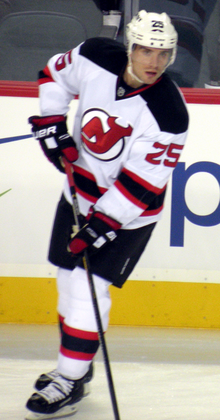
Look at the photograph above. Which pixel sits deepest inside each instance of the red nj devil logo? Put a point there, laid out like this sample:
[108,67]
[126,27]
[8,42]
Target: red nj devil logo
[100,141]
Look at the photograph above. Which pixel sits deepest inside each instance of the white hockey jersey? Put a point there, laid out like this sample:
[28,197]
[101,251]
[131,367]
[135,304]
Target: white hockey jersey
[129,140]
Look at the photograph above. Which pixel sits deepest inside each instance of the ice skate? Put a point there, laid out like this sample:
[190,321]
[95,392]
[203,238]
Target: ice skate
[46,378]
[56,400]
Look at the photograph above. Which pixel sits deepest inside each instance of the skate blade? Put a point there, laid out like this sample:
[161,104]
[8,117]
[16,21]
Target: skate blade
[62,413]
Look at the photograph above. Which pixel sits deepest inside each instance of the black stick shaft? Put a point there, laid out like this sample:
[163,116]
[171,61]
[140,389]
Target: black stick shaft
[86,264]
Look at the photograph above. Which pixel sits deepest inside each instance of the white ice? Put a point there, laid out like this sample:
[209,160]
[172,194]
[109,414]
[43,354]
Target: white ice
[159,374]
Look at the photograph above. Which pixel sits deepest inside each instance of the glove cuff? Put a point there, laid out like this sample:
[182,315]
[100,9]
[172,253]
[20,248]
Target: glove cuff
[49,126]
[48,120]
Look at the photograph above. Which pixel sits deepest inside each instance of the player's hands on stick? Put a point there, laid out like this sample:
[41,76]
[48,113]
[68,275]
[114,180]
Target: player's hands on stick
[54,139]
[97,232]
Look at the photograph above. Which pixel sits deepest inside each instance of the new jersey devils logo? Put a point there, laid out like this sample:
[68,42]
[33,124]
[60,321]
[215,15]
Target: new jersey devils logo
[102,135]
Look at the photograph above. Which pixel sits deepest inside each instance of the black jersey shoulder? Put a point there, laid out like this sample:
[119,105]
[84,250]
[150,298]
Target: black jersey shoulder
[167,106]
[106,53]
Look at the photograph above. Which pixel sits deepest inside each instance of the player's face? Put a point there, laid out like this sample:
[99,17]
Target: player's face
[149,63]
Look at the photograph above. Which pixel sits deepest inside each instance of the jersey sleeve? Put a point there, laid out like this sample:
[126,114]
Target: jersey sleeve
[140,187]
[59,83]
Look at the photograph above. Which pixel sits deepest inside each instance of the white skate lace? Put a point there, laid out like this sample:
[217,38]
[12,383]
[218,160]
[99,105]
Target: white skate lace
[57,389]
[52,374]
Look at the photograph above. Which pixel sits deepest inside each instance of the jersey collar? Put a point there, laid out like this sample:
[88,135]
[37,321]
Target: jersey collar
[124,91]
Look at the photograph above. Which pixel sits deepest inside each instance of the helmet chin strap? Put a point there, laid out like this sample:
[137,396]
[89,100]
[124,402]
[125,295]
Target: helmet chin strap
[130,71]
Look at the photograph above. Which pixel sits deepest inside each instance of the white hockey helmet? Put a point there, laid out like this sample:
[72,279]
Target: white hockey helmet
[152,30]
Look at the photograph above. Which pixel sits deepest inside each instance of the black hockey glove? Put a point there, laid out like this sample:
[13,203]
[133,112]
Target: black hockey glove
[54,139]
[100,230]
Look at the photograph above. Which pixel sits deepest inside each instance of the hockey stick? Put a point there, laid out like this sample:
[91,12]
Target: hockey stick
[86,264]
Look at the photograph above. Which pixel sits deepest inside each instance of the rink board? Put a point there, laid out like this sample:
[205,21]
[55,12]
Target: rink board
[140,303]
[176,282]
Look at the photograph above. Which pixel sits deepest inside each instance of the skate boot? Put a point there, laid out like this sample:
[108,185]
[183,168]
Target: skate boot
[56,400]
[46,378]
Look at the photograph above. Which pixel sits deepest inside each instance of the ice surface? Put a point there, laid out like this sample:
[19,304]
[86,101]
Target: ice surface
[158,373]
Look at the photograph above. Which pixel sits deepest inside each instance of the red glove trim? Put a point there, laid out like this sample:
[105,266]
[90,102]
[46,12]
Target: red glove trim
[108,220]
[77,245]
[70,153]
[50,119]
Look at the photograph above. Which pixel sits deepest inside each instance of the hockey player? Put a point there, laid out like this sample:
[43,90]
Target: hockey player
[129,131]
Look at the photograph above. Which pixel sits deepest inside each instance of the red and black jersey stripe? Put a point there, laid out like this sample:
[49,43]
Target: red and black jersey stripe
[86,185]
[144,195]
[45,76]
[140,192]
